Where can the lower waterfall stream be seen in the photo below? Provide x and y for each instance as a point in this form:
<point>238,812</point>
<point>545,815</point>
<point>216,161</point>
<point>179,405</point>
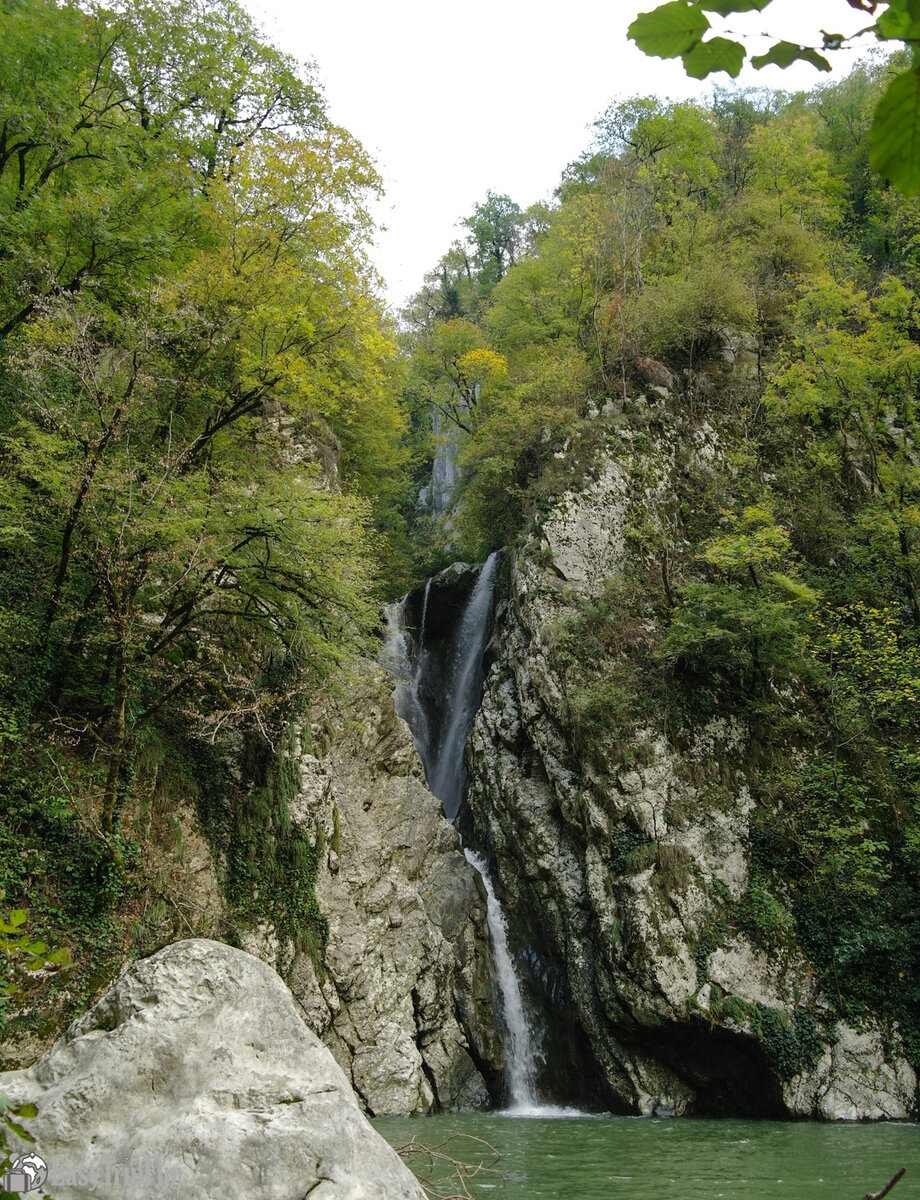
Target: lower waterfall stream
<point>446,773</point>
<point>520,1044</point>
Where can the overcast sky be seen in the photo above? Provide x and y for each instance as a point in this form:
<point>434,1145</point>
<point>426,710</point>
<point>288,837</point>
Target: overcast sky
<point>455,99</point>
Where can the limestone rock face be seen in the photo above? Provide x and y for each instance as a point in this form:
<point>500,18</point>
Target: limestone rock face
<point>856,1079</point>
<point>619,866</point>
<point>584,533</point>
<point>196,1076</point>
<point>404,998</point>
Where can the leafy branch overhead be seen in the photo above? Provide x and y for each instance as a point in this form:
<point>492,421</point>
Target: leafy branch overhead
<point>678,29</point>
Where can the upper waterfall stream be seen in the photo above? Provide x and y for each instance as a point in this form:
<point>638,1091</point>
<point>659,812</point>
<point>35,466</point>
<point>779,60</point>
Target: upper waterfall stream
<point>447,773</point>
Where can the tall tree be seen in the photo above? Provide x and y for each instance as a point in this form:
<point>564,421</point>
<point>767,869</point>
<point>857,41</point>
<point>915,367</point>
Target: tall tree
<point>495,228</point>
<point>197,377</point>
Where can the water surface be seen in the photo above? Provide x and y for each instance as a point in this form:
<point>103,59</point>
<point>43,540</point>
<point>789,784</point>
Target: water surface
<point>606,1158</point>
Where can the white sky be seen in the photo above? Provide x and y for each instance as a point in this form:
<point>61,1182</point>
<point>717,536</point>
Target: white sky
<point>455,99</point>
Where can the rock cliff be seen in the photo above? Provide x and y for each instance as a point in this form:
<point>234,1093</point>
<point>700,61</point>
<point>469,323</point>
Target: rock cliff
<point>622,865</point>
<point>402,996</point>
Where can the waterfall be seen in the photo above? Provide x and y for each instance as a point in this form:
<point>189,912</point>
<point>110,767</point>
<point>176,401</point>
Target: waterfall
<point>520,1047</point>
<point>444,473</point>
<point>447,773</point>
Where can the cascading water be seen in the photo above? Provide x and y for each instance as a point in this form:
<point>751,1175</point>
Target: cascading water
<point>520,1044</point>
<point>446,773</point>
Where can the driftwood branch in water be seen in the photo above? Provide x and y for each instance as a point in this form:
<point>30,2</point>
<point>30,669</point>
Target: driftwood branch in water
<point>444,1177</point>
<point>887,1188</point>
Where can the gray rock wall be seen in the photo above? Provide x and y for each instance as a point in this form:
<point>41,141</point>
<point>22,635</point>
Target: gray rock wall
<point>403,998</point>
<point>670,1021</point>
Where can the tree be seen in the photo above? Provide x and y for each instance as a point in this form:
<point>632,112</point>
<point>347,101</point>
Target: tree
<point>197,379</point>
<point>453,369</point>
<point>495,228</point>
<point>850,377</point>
<point>678,29</point>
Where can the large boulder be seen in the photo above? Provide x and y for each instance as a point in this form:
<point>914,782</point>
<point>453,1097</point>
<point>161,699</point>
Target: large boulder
<point>196,1076</point>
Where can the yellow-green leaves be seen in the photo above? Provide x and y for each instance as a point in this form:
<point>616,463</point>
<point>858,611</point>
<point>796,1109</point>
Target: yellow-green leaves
<point>20,952</point>
<point>196,392</point>
<point>725,7</point>
<point>755,541</point>
<point>677,29</point>
<point>900,21</point>
<point>718,54</point>
<point>784,54</point>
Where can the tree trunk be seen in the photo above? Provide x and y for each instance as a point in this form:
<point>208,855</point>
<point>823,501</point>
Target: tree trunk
<point>117,741</point>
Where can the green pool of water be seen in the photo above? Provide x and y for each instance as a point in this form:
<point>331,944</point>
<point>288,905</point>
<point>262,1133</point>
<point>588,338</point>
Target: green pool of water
<point>603,1158</point>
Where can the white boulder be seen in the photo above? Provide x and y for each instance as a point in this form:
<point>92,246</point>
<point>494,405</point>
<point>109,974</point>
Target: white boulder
<point>195,1076</point>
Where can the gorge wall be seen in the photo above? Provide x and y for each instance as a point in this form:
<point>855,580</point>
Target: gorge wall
<point>623,864</point>
<point>402,995</point>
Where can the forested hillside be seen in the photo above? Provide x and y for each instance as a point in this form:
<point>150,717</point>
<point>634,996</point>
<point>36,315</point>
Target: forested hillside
<point>721,303</point>
<point>199,428</point>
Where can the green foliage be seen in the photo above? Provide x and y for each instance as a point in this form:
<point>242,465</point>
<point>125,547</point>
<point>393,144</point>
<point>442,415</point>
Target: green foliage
<point>710,939</point>
<point>791,1045</point>
<point>684,315</point>
<point>23,954</point>
<point>624,842</point>
<point>272,863</point>
<point>495,233</point>
<point>595,707</point>
<point>514,440</point>
<point>746,627</point>
<point>194,359</point>
<point>10,1118</point>
<point>203,453</point>
<point>895,135</point>
<point>763,918</point>
<point>602,654</point>
<point>677,29</point>
<point>671,30</point>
